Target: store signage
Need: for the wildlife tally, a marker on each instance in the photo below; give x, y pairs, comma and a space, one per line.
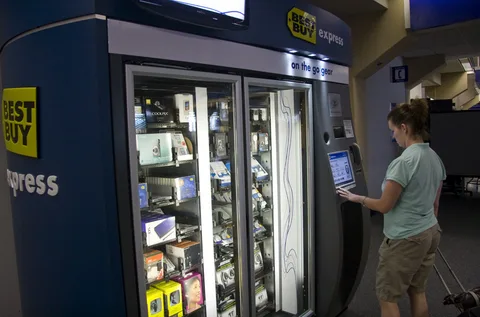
302, 25
399, 74
19, 118
33, 184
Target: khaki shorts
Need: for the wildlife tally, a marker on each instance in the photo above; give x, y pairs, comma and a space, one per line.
405, 264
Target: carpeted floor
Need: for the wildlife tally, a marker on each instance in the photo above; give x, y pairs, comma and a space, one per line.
460, 220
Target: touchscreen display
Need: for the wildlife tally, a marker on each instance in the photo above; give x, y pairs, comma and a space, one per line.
341, 168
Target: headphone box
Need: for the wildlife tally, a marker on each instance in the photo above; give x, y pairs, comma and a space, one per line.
172, 297
186, 252
192, 289
155, 302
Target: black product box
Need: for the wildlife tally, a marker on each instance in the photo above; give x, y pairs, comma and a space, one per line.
159, 110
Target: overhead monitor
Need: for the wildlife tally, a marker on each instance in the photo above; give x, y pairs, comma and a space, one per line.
341, 169
221, 14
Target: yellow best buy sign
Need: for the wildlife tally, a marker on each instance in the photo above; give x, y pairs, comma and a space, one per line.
19, 120
302, 25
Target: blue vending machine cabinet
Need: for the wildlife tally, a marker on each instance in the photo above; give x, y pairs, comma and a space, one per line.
64, 202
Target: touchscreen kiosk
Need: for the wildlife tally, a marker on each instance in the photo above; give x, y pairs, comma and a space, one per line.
342, 169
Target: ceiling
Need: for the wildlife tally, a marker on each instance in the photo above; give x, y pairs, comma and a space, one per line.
460, 40
345, 8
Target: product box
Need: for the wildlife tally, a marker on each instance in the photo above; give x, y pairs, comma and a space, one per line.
184, 105
225, 275
257, 200
155, 302
172, 295
178, 142
143, 195
258, 171
219, 171
154, 148
153, 265
192, 291
254, 142
258, 258
158, 228
227, 309
220, 144
159, 110
183, 187
263, 145
188, 252
261, 296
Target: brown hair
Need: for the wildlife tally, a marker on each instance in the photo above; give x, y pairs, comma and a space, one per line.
414, 115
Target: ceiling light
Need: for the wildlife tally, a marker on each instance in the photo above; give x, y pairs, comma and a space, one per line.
293, 51
312, 55
325, 59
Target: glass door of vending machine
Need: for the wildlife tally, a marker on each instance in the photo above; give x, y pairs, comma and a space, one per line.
183, 135
280, 137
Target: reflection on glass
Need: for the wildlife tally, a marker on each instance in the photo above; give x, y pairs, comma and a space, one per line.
184, 139
276, 145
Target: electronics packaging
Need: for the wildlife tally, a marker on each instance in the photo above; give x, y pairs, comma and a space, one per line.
258, 171
159, 110
192, 290
172, 295
184, 105
153, 265
178, 142
261, 297
183, 187
227, 309
258, 258
154, 148
226, 275
155, 302
143, 194
158, 228
188, 252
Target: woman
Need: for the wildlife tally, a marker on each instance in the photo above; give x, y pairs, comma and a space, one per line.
411, 193
194, 294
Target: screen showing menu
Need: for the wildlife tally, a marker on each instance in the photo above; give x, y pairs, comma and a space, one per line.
341, 168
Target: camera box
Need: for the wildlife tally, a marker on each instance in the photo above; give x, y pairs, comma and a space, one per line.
159, 110
153, 265
143, 195
155, 303
158, 228
184, 105
188, 252
183, 187
172, 295
154, 148
219, 171
258, 171
178, 142
192, 290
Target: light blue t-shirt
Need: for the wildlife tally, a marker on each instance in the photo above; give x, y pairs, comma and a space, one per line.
419, 171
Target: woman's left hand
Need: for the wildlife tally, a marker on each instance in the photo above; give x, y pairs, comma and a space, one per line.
349, 196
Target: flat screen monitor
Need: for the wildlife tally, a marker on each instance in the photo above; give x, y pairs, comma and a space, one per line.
341, 166
221, 14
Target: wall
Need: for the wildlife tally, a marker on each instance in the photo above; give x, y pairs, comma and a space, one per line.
9, 290
381, 150
417, 92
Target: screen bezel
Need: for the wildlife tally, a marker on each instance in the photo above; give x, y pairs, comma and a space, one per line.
350, 182
193, 15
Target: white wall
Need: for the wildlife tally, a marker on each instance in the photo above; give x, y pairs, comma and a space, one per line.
9, 291
417, 92
381, 150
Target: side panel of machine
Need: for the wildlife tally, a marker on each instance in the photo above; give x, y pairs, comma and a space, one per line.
63, 202
343, 233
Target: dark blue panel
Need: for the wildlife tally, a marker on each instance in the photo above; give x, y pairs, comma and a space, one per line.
17, 17
67, 246
268, 26
425, 14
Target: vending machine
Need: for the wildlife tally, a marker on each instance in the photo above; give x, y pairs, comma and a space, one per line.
202, 166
